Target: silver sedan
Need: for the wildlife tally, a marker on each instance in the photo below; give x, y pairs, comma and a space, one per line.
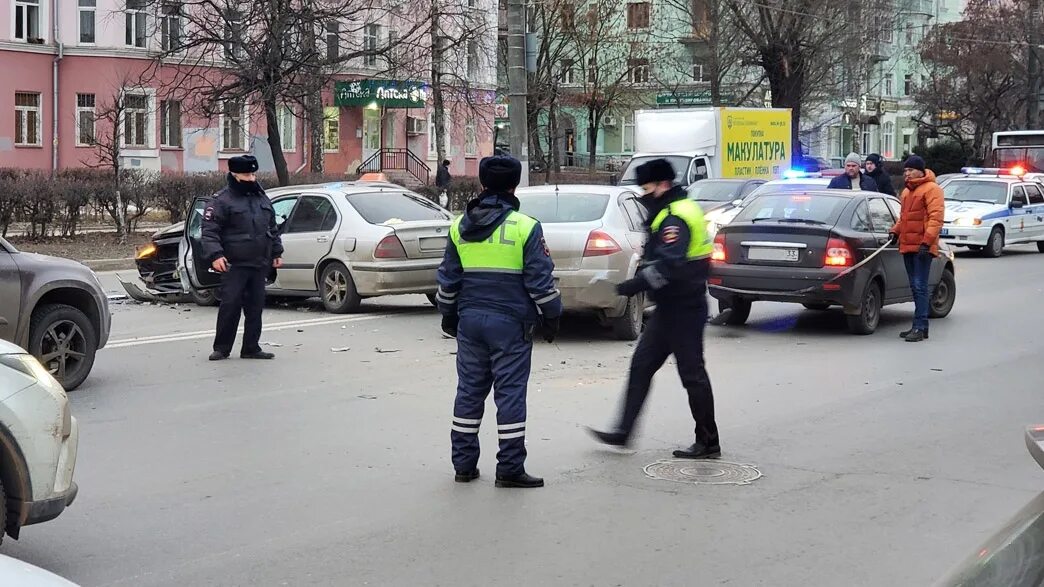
343, 242
595, 234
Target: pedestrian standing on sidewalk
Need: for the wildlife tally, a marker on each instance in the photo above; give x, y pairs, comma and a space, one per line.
443, 179
920, 221
241, 242
674, 269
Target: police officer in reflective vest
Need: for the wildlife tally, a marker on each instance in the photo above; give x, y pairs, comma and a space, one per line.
241, 241
673, 272
495, 286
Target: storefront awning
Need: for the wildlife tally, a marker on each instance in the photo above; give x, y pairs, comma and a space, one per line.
381, 92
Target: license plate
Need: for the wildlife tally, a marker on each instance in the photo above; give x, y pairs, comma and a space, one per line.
433, 243
945, 232
773, 254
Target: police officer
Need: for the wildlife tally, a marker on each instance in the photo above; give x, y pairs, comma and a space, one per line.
495, 284
241, 241
673, 272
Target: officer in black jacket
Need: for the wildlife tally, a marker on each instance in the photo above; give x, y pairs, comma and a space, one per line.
673, 272
241, 241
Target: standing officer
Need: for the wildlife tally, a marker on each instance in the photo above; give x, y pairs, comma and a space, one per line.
674, 270
241, 241
495, 283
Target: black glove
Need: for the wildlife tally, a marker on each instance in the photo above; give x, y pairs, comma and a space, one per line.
630, 287
893, 238
449, 325
551, 326
924, 250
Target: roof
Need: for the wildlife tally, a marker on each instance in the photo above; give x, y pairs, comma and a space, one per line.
586, 188
344, 186
986, 177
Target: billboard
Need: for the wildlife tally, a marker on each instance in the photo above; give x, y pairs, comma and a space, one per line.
755, 142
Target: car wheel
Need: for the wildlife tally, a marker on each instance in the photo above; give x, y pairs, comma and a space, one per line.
3, 511
432, 300
629, 326
816, 306
206, 297
738, 311
943, 297
995, 245
866, 321
1040, 246
65, 342
337, 289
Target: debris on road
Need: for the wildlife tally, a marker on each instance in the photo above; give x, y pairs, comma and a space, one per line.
380, 350
272, 344
343, 349
367, 397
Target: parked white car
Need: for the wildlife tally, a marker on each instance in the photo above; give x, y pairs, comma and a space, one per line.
38, 440
23, 574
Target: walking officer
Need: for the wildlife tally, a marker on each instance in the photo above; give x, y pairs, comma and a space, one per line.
495, 284
241, 241
673, 272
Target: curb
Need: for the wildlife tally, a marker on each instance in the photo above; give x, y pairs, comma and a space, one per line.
109, 264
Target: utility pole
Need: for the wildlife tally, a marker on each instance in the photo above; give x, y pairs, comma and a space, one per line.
1033, 89
516, 63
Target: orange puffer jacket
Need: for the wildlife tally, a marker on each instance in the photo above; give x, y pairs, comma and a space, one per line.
921, 219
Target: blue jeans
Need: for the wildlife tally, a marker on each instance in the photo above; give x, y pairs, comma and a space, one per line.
918, 266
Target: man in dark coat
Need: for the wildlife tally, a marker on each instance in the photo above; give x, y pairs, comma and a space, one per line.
853, 178
876, 172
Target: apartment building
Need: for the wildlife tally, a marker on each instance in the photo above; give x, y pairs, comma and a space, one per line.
66, 62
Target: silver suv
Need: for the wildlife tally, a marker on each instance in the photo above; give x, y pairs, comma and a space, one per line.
56, 309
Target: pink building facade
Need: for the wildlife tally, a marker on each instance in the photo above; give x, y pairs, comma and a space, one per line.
53, 96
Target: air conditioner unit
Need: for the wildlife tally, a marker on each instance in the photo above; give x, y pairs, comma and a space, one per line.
416, 126
609, 121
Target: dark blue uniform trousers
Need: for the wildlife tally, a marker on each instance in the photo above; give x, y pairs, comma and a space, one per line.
242, 291
492, 351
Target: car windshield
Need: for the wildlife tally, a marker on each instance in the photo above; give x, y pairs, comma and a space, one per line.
710, 190
395, 208
558, 207
679, 163
782, 188
974, 190
807, 208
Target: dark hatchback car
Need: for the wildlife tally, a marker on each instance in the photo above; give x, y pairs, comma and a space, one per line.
791, 247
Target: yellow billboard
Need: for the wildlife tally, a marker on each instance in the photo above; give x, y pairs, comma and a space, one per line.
755, 142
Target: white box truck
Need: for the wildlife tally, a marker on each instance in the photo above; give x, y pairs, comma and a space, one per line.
704, 143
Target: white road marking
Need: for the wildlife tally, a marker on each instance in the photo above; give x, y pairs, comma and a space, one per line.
180, 336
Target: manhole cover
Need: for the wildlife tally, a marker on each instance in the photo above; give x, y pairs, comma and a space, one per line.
703, 472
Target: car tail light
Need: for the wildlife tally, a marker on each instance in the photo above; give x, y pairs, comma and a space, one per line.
838, 254
600, 244
390, 247
718, 254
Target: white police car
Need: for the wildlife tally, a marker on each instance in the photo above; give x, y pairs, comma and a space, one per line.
793, 181
988, 209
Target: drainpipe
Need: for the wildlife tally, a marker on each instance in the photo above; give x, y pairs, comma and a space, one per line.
56, 30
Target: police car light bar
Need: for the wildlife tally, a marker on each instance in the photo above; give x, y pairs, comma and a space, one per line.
1017, 171
800, 174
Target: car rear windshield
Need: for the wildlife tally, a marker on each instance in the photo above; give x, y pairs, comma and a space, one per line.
815, 208
394, 208
709, 190
551, 208
994, 192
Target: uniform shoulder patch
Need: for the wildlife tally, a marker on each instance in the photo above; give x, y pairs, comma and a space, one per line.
543, 243
670, 235
208, 213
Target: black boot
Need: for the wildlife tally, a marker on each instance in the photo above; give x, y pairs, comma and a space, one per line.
218, 356
522, 481
907, 333
256, 355
916, 336
698, 450
611, 438
466, 476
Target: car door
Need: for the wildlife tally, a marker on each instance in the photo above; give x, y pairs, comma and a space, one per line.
10, 295
1017, 229
308, 236
897, 284
200, 274
1035, 212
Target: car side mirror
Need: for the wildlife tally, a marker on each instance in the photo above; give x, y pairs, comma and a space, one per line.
1017, 204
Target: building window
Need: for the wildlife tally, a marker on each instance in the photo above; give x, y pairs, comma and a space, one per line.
136, 121
697, 71
568, 16
287, 129
331, 129
568, 76
233, 35
27, 119
333, 40
170, 123
470, 139
888, 140
638, 15
473, 58
592, 71
628, 133
908, 84
909, 34
371, 37
867, 142
85, 116
27, 20
638, 71
88, 21
394, 56
233, 125
170, 27
700, 19
136, 20
888, 85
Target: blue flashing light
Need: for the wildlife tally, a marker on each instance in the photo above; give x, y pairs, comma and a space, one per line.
972, 170
795, 174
